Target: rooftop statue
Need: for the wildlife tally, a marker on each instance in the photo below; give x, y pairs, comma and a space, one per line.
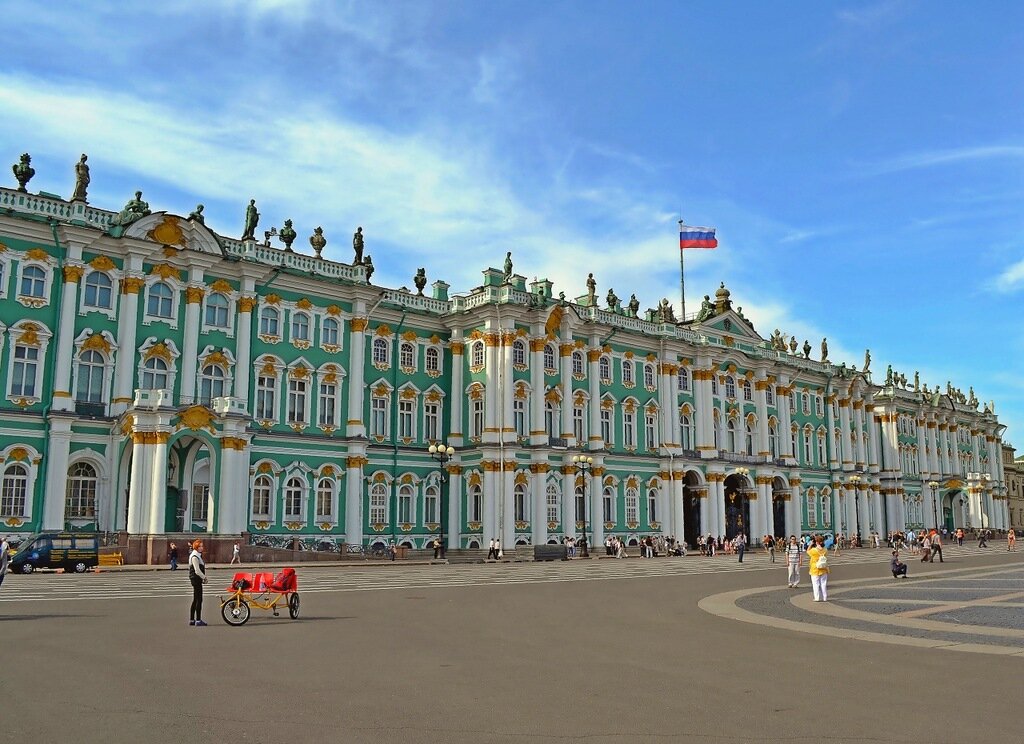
252, 218
972, 400
318, 241
867, 360
824, 349
420, 280
508, 266
288, 235
81, 179
888, 375
807, 349
666, 310
357, 246
612, 299
634, 305
903, 380
368, 265
196, 215
591, 290
917, 380
792, 345
707, 309
135, 209
23, 171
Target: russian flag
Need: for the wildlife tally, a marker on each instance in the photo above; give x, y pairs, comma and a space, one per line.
697, 237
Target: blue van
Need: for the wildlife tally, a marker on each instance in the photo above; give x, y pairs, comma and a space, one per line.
71, 551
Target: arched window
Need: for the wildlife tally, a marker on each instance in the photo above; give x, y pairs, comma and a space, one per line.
551, 418
747, 395
432, 359
217, 310
33, 282
13, 491
608, 504
826, 510
748, 438
714, 384
730, 387
604, 367
805, 403
577, 363
378, 504
80, 498
649, 375
549, 358
406, 514
821, 448
211, 383
266, 395
293, 492
716, 420
812, 508
632, 506
552, 502
581, 505
520, 507
262, 490
476, 355
381, 351
329, 331
154, 374
270, 320
808, 452
518, 353
161, 300
773, 440
686, 431
90, 377
300, 327
407, 355
730, 435
683, 379
627, 371
475, 503
770, 395
431, 504
98, 290
652, 506
25, 371
324, 499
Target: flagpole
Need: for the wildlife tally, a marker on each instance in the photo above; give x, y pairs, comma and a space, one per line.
682, 277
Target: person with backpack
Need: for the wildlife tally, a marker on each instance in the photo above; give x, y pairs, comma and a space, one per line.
817, 561
197, 577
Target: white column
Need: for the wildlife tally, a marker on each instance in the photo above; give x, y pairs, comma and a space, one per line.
954, 439
975, 450
565, 358
356, 423
678, 521
539, 492
453, 536
354, 500
455, 433
782, 397
508, 521
243, 346
232, 497
58, 453
124, 371
507, 392
669, 408
142, 478
795, 509
594, 385
595, 491
872, 424
193, 302
933, 449
844, 452
569, 501
761, 407
705, 511
490, 496
858, 429
63, 397
944, 448
492, 353
158, 484
705, 412
538, 436
922, 445
834, 453
764, 510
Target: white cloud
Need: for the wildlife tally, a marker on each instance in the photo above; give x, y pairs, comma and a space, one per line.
927, 159
1011, 278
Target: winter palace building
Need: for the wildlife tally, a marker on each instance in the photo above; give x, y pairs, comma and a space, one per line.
160, 378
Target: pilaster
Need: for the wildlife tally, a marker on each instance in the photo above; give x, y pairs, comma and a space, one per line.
63, 396
58, 453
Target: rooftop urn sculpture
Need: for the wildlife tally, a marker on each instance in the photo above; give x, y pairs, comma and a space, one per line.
420, 280
23, 171
722, 301
252, 218
357, 247
135, 209
287, 235
824, 349
318, 241
81, 179
807, 349
368, 265
508, 266
196, 215
591, 290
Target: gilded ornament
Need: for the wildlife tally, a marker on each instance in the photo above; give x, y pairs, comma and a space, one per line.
160, 350
73, 273
195, 418
457, 348
168, 232
127, 425
246, 304
216, 357
383, 330
333, 310
165, 271
273, 299
299, 373
96, 342
132, 285
102, 263
221, 285
409, 336
265, 467
304, 304
18, 454
37, 254
194, 295
29, 335
358, 325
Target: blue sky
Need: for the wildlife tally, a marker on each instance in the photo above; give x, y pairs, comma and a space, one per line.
862, 161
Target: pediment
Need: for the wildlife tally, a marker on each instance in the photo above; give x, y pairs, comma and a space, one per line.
175, 231
732, 324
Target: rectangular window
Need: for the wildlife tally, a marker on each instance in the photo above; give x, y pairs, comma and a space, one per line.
405, 507
266, 394
328, 403
261, 498
627, 371
608, 506
606, 426
379, 417
519, 505
651, 432
628, 429
23, 383
430, 505
12, 497
476, 428
200, 502
812, 516
652, 507
817, 406
406, 419
432, 422
324, 500
552, 500
296, 401
378, 506
519, 416
577, 424
632, 508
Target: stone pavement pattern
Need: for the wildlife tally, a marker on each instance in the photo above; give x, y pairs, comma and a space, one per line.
586, 651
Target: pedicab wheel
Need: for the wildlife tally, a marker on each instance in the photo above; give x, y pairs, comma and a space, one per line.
293, 606
235, 611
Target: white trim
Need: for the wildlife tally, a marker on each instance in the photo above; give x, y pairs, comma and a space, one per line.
176, 289
43, 334
110, 312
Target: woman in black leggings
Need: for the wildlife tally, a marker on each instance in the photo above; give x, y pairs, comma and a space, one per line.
197, 576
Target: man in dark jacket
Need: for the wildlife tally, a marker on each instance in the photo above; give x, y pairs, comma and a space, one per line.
899, 568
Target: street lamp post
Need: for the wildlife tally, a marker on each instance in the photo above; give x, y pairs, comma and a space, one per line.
855, 480
744, 496
442, 455
583, 465
935, 512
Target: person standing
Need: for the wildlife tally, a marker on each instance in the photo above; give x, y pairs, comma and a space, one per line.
197, 576
497, 549
936, 548
491, 552
236, 555
926, 547
172, 554
5, 548
1011, 540
794, 559
983, 539
960, 537
741, 544
817, 561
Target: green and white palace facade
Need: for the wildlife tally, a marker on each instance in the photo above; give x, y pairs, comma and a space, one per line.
160, 378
